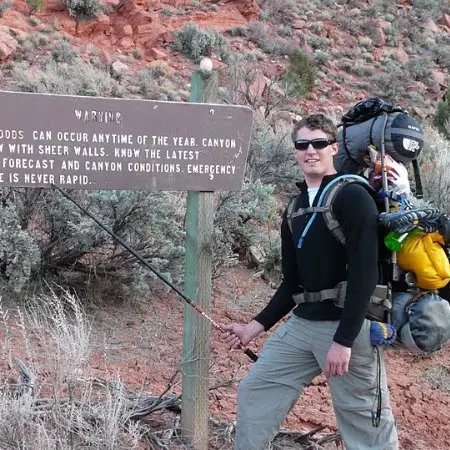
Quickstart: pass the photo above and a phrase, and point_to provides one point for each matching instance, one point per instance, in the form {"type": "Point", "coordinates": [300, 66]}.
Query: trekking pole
{"type": "Point", "coordinates": [384, 178]}
{"type": "Point", "coordinates": [189, 301]}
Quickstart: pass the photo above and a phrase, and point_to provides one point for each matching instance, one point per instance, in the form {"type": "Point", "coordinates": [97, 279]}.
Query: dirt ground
{"type": "Point", "coordinates": [141, 344]}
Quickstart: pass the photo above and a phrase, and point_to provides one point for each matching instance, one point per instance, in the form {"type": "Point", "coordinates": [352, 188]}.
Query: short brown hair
{"type": "Point", "coordinates": [316, 122]}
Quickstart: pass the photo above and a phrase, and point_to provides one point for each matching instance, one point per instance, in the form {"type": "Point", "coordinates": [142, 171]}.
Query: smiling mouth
{"type": "Point", "coordinates": [312, 160]}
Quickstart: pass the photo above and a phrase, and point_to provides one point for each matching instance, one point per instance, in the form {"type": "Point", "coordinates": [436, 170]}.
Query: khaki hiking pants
{"type": "Point", "coordinates": [290, 359]}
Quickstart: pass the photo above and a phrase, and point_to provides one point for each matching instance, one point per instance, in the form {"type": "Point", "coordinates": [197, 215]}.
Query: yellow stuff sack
{"type": "Point", "coordinates": [424, 255]}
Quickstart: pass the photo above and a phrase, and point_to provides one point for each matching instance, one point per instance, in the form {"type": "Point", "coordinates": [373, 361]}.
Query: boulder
{"type": "Point", "coordinates": [119, 68]}
{"type": "Point", "coordinates": [8, 45]}
{"type": "Point", "coordinates": [444, 20]}
{"type": "Point", "coordinates": [156, 53]}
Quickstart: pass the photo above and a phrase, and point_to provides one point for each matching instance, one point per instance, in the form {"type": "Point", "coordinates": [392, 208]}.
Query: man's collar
{"type": "Point", "coordinates": [325, 180]}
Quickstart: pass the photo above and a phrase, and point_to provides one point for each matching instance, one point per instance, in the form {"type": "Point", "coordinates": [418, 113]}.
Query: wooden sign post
{"type": "Point", "coordinates": [198, 274]}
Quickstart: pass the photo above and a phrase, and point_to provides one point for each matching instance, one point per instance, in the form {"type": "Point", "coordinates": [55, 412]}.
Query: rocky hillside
{"type": "Point", "coordinates": [399, 51]}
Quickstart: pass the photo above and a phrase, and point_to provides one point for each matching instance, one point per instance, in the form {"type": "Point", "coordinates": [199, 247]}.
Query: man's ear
{"type": "Point", "coordinates": [335, 147]}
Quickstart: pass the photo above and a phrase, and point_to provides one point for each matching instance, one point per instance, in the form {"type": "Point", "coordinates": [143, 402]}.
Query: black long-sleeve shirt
{"type": "Point", "coordinates": [323, 262]}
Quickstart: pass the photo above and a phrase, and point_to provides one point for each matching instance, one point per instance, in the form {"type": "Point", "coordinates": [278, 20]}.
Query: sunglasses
{"type": "Point", "coordinates": [318, 144]}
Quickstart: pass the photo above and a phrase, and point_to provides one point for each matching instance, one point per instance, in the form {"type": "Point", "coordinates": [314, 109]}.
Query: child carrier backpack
{"type": "Point", "coordinates": [388, 128]}
{"type": "Point", "coordinates": [419, 315]}
{"type": "Point", "coordinates": [421, 318]}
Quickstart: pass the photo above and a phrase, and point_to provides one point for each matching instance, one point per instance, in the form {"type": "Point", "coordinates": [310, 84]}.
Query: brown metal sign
{"type": "Point", "coordinates": [102, 143]}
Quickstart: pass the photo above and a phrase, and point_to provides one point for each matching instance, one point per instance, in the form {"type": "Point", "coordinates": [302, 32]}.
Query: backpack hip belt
{"type": "Point", "coordinates": [380, 296]}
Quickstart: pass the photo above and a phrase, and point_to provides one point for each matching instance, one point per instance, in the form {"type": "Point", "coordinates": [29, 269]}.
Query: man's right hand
{"type": "Point", "coordinates": [237, 334]}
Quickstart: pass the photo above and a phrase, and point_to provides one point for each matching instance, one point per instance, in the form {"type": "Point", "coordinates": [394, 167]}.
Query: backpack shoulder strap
{"type": "Point", "coordinates": [328, 215]}
{"type": "Point", "coordinates": [321, 208]}
{"type": "Point", "coordinates": [292, 213]}
{"type": "Point", "coordinates": [290, 210]}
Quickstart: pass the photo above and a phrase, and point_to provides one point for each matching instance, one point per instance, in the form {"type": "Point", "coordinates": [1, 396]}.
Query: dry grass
{"type": "Point", "coordinates": [54, 405]}
{"type": "Point", "coordinates": [437, 376]}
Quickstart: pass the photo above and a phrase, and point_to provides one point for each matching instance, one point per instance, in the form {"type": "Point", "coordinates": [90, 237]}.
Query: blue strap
{"type": "Point", "coordinates": [404, 203]}
{"type": "Point", "coordinates": [319, 203]}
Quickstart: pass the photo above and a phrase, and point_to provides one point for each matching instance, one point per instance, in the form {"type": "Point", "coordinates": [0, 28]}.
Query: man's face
{"type": "Point", "coordinates": [315, 162]}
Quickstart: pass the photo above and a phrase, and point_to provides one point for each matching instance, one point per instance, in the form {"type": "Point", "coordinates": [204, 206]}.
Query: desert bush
{"type": "Point", "coordinates": [19, 254]}
{"type": "Point", "coordinates": [60, 322]}
{"type": "Point", "coordinates": [391, 84]}
{"type": "Point", "coordinates": [279, 11]}
{"type": "Point", "coordinates": [392, 33]}
{"type": "Point", "coordinates": [365, 41]}
{"type": "Point", "coordinates": [35, 5]}
{"type": "Point", "coordinates": [75, 411]}
{"type": "Point", "coordinates": [271, 158]}
{"type": "Point", "coordinates": [321, 57]}
{"type": "Point", "coordinates": [79, 78]}
{"type": "Point", "coordinates": [437, 376]}
{"type": "Point", "coordinates": [150, 222]}
{"type": "Point", "coordinates": [146, 81]}
{"type": "Point", "coordinates": [137, 54]}
{"type": "Point", "coordinates": [382, 7]}
{"type": "Point", "coordinates": [238, 31]}
{"type": "Point", "coordinates": [257, 32]}
{"type": "Point", "coordinates": [82, 9]}
{"type": "Point", "coordinates": [434, 162]}
{"type": "Point", "coordinates": [442, 117]}
{"type": "Point", "coordinates": [285, 30]}
{"type": "Point", "coordinates": [240, 219]}
{"type": "Point", "coordinates": [427, 9]}
{"type": "Point", "coordinates": [196, 43]}
{"type": "Point", "coordinates": [63, 52]}
{"type": "Point", "coordinates": [441, 55]}
{"type": "Point", "coordinates": [301, 76]}
{"type": "Point", "coordinates": [418, 69]}
{"type": "Point", "coordinates": [317, 43]}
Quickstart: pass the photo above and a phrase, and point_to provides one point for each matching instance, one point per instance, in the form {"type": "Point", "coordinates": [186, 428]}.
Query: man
{"type": "Point", "coordinates": [319, 336]}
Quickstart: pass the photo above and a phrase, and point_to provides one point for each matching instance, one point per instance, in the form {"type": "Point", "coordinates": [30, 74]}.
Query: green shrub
{"type": "Point", "coordinates": [278, 11]}
{"type": "Point", "coordinates": [271, 158]}
{"type": "Point", "coordinates": [63, 52]}
{"type": "Point", "coordinates": [238, 31]}
{"type": "Point", "coordinates": [441, 55]}
{"type": "Point", "coordinates": [382, 7]}
{"type": "Point", "coordinates": [137, 54]}
{"type": "Point", "coordinates": [19, 253]}
{"type": "Point", "coordinates": [35, 5]}
{"type": "Point", "coordinates": [391, 84]}
{"type": "Point", "coordinates": [79, 78]}
{"type": "Point", "coordinates": [321, 57]}
{"type": "Point", "coordinates": [434, 161]}
{"type": "Point", "coordinates": [150, 222]}
{"type": "Point", "coordinates": [82, 9]}
{"type": "Point", "coordinates": [257, 32]}
{"type": "Point", "coordinates": [317, 43]}
{"type": "Point", "coordinates": [392, 33]}
{"type": "Point", "coordinates": [147, 84]}
{"type": "Point", "coordinates": [238, 219]}
{"type": "Point", "coordinates": [418, 69]}
{"type": "Point", "coordinates": [301, 76]}
{"type": "Point", "coordinates": [442, 117]}
{"type": "Point", "coordinates": [429, 9]}
{"type": "Point", "coordinates": [196, 43]}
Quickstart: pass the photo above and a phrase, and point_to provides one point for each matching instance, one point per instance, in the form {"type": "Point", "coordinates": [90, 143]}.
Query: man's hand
{"type": "Point", "coordinates": [237, 334]}
{"type": "Point", "coordinates": [338, 358]}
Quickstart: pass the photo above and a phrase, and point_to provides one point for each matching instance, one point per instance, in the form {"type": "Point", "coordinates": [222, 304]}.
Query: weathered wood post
{"type": "Point", "coordinates": [198, 273]}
